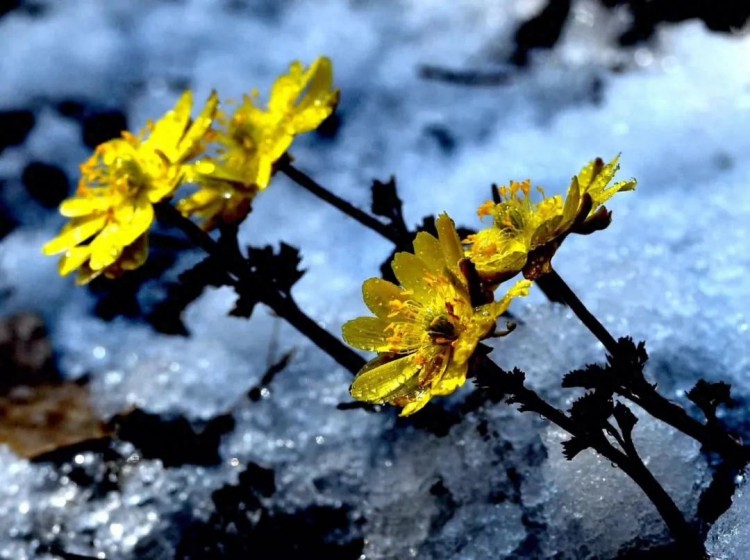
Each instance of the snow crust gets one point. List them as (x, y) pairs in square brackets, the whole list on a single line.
[(672, 268)]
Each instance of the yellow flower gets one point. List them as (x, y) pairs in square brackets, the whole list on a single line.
[(526, 234), (425, 330), (253, 139), (113, 206)]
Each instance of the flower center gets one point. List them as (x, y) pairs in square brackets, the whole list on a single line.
[(442, 330)]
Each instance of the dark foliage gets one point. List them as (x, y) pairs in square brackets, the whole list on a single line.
[(626, 371), (245, 525), (119, 297), (267, 378), (7, 222), (27, 7), (495, 383), (45, 183), (15, 127), (625, 419), (709, 396), (272, 272), (174, 440), (442, 137), (329, 128), (541, 31), (100, 126), (717, 498), (166, 316), (474, 78), (647, 15), (387, 203)]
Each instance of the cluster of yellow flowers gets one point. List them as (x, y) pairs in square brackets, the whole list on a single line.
[(113, 207), (426, 329)]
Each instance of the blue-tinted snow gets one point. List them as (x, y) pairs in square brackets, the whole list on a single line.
[(671, 269)]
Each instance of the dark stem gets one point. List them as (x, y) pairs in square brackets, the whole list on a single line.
[(240, 272), (646, 396), (464, 77), (586, 317), (686, 538), (287, 309), (309, 184)]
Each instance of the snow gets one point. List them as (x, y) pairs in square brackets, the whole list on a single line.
[(671, 269)]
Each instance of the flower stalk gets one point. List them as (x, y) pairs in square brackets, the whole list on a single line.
[(242, 277), (645, 395), (513, 389), (309, 184)]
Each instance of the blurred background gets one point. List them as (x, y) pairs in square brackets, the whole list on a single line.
[(137, 430)]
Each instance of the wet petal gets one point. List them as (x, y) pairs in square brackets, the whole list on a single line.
[(168, 130), (453, 378), (73, 259), (106, 247), (135, 255), (449, 241), (495, 254), (378, 293), (82, 206), (595, 177), (131, 221), (572, 204), (435, 360), (367, 333), (319, 100), (412, 273), (497, 308), (417, 404), (288, 87), (428, 248), (383, 380), (190, 143), (76, 232)]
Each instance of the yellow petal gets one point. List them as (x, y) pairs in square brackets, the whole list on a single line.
[(453, 378), (595, 184), (412, 273), (495, 254), (427, 248), (265, 168), (131, 222), (135, 220), (86, 275), (416, 405), (135, 255), (378, 293), (287, 88), (106, 247), (546, 231), (76, 232), (497, 308), (367, 333), (168, 130), (319, 101), (449, 241), (73, 259), (572, 204), (197, 132), (435, 358), (204, 201), (82, 206), (383, 380)]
